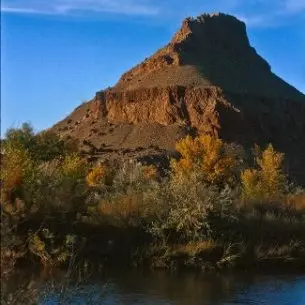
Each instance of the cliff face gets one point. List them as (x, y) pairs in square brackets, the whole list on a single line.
[(208, 79), (211, 50), (197, 107), (238, 117)]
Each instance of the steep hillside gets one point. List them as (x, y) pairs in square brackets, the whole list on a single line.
[(208, 79)]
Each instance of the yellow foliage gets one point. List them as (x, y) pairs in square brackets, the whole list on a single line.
[(37, 244), (297, 202), (189, 148), (209, 156), (15, 166), (126, 210), (150, 172), (12, 178), (73, 166), (186, 164), (268, 181), (96, 176), (271, 163), (251, 183)]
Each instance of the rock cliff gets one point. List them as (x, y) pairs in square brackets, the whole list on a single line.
[(207, 79)]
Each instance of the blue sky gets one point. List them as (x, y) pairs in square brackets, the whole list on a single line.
[(56, 54)]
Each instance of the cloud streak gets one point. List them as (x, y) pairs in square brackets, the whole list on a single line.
[(256, 13), (19, 10), (65, 7)]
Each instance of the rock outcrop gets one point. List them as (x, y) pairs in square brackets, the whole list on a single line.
[(208, 79)]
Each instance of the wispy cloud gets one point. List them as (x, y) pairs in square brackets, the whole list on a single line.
[(256, 13), (127, 7), (19, 10)]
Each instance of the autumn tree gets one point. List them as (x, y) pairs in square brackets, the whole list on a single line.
[(214, 161), (96, 176), (266, 180), (16, 169)]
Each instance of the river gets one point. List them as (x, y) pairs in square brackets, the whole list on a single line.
[(161, 288)]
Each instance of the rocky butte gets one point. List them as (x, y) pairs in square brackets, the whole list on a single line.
[(207, 79)]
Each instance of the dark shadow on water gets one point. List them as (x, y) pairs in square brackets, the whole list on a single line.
[(114, 287)]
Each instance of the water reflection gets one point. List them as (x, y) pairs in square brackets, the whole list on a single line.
[(160, 288)]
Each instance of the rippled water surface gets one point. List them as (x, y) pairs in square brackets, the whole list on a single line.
[(160, 288)]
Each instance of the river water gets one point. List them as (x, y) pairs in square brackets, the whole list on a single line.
[(161, 288)]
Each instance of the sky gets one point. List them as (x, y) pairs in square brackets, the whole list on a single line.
[(57, 54)]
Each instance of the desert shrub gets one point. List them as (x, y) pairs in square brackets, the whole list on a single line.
[(127, 210), (215, 162), (39, 170), (195, 248), (150, 172), (19, 138), (121, 201), (58, 184), (43, 146), (279, 252), (133, 176), (108, 185), (48, 146), (12, 172), (266, 180), (295, 202), (17, 169), (73, 167), (183, 211)]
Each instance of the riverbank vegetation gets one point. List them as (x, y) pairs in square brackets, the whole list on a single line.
[(217, 207)]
